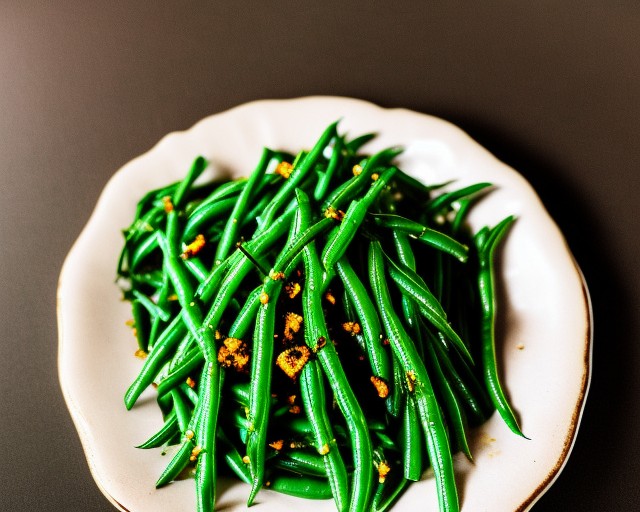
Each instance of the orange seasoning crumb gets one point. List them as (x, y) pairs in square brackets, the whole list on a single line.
[(141, 354), (332, 213), (168, 205), (295, 409), (194, 453), (292, 360), (233, 354), (292, 324), (411, 380), (291, 399), (330, 298), (276, 275), (191, 383), (264, 298), (292, 289), (194, 247), (381, 386), (352, 327), (383, 471), (284, 169), (277, 445)]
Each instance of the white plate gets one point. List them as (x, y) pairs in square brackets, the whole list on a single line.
[(545, 349)]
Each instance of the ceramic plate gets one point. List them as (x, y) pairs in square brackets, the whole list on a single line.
[(544, 345)]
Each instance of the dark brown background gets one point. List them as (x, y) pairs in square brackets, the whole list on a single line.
[(85, 86)]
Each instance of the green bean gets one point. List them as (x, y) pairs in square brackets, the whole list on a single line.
[(211, 382), (354, 145), (197, 269), (140, 227), (145, 204), (152, 308), (465, 385), (300, 486), (299, 173), (207, 289), (152, 279), (260, 387), (198, 166), (185, 451), (313, 398), (304, 463), (487, 294), (415, 288), (418, 379), (142, 250), (247, 315), (230, 233), (316, 330), (181, 371), (384, 501), (262, 360), (369, 320), (335, 162), (190, 393), (444, 201), (429, 236), (141, 323), (206, 214), (181, 410), (342, 236), (191, 311), (154, 361), (455, 414), (182, 350), (167, 431), (350, 189), (395, 404), (232, 458), (177, 464), (410, 184), (412, 445), (409, 308)]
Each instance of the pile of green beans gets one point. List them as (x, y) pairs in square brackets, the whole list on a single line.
[(324, 328)]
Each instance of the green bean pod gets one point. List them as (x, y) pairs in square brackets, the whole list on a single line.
[(486, 284), (417, 378), (230, 233), (431, 237), (313, 398), (315, 332)]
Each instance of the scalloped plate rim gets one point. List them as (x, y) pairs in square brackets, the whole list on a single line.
[(82, 423)]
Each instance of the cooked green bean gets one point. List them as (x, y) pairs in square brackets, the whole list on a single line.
[(488, 299), (419, 385)]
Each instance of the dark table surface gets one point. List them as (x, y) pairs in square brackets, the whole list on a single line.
[(553, 90)]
